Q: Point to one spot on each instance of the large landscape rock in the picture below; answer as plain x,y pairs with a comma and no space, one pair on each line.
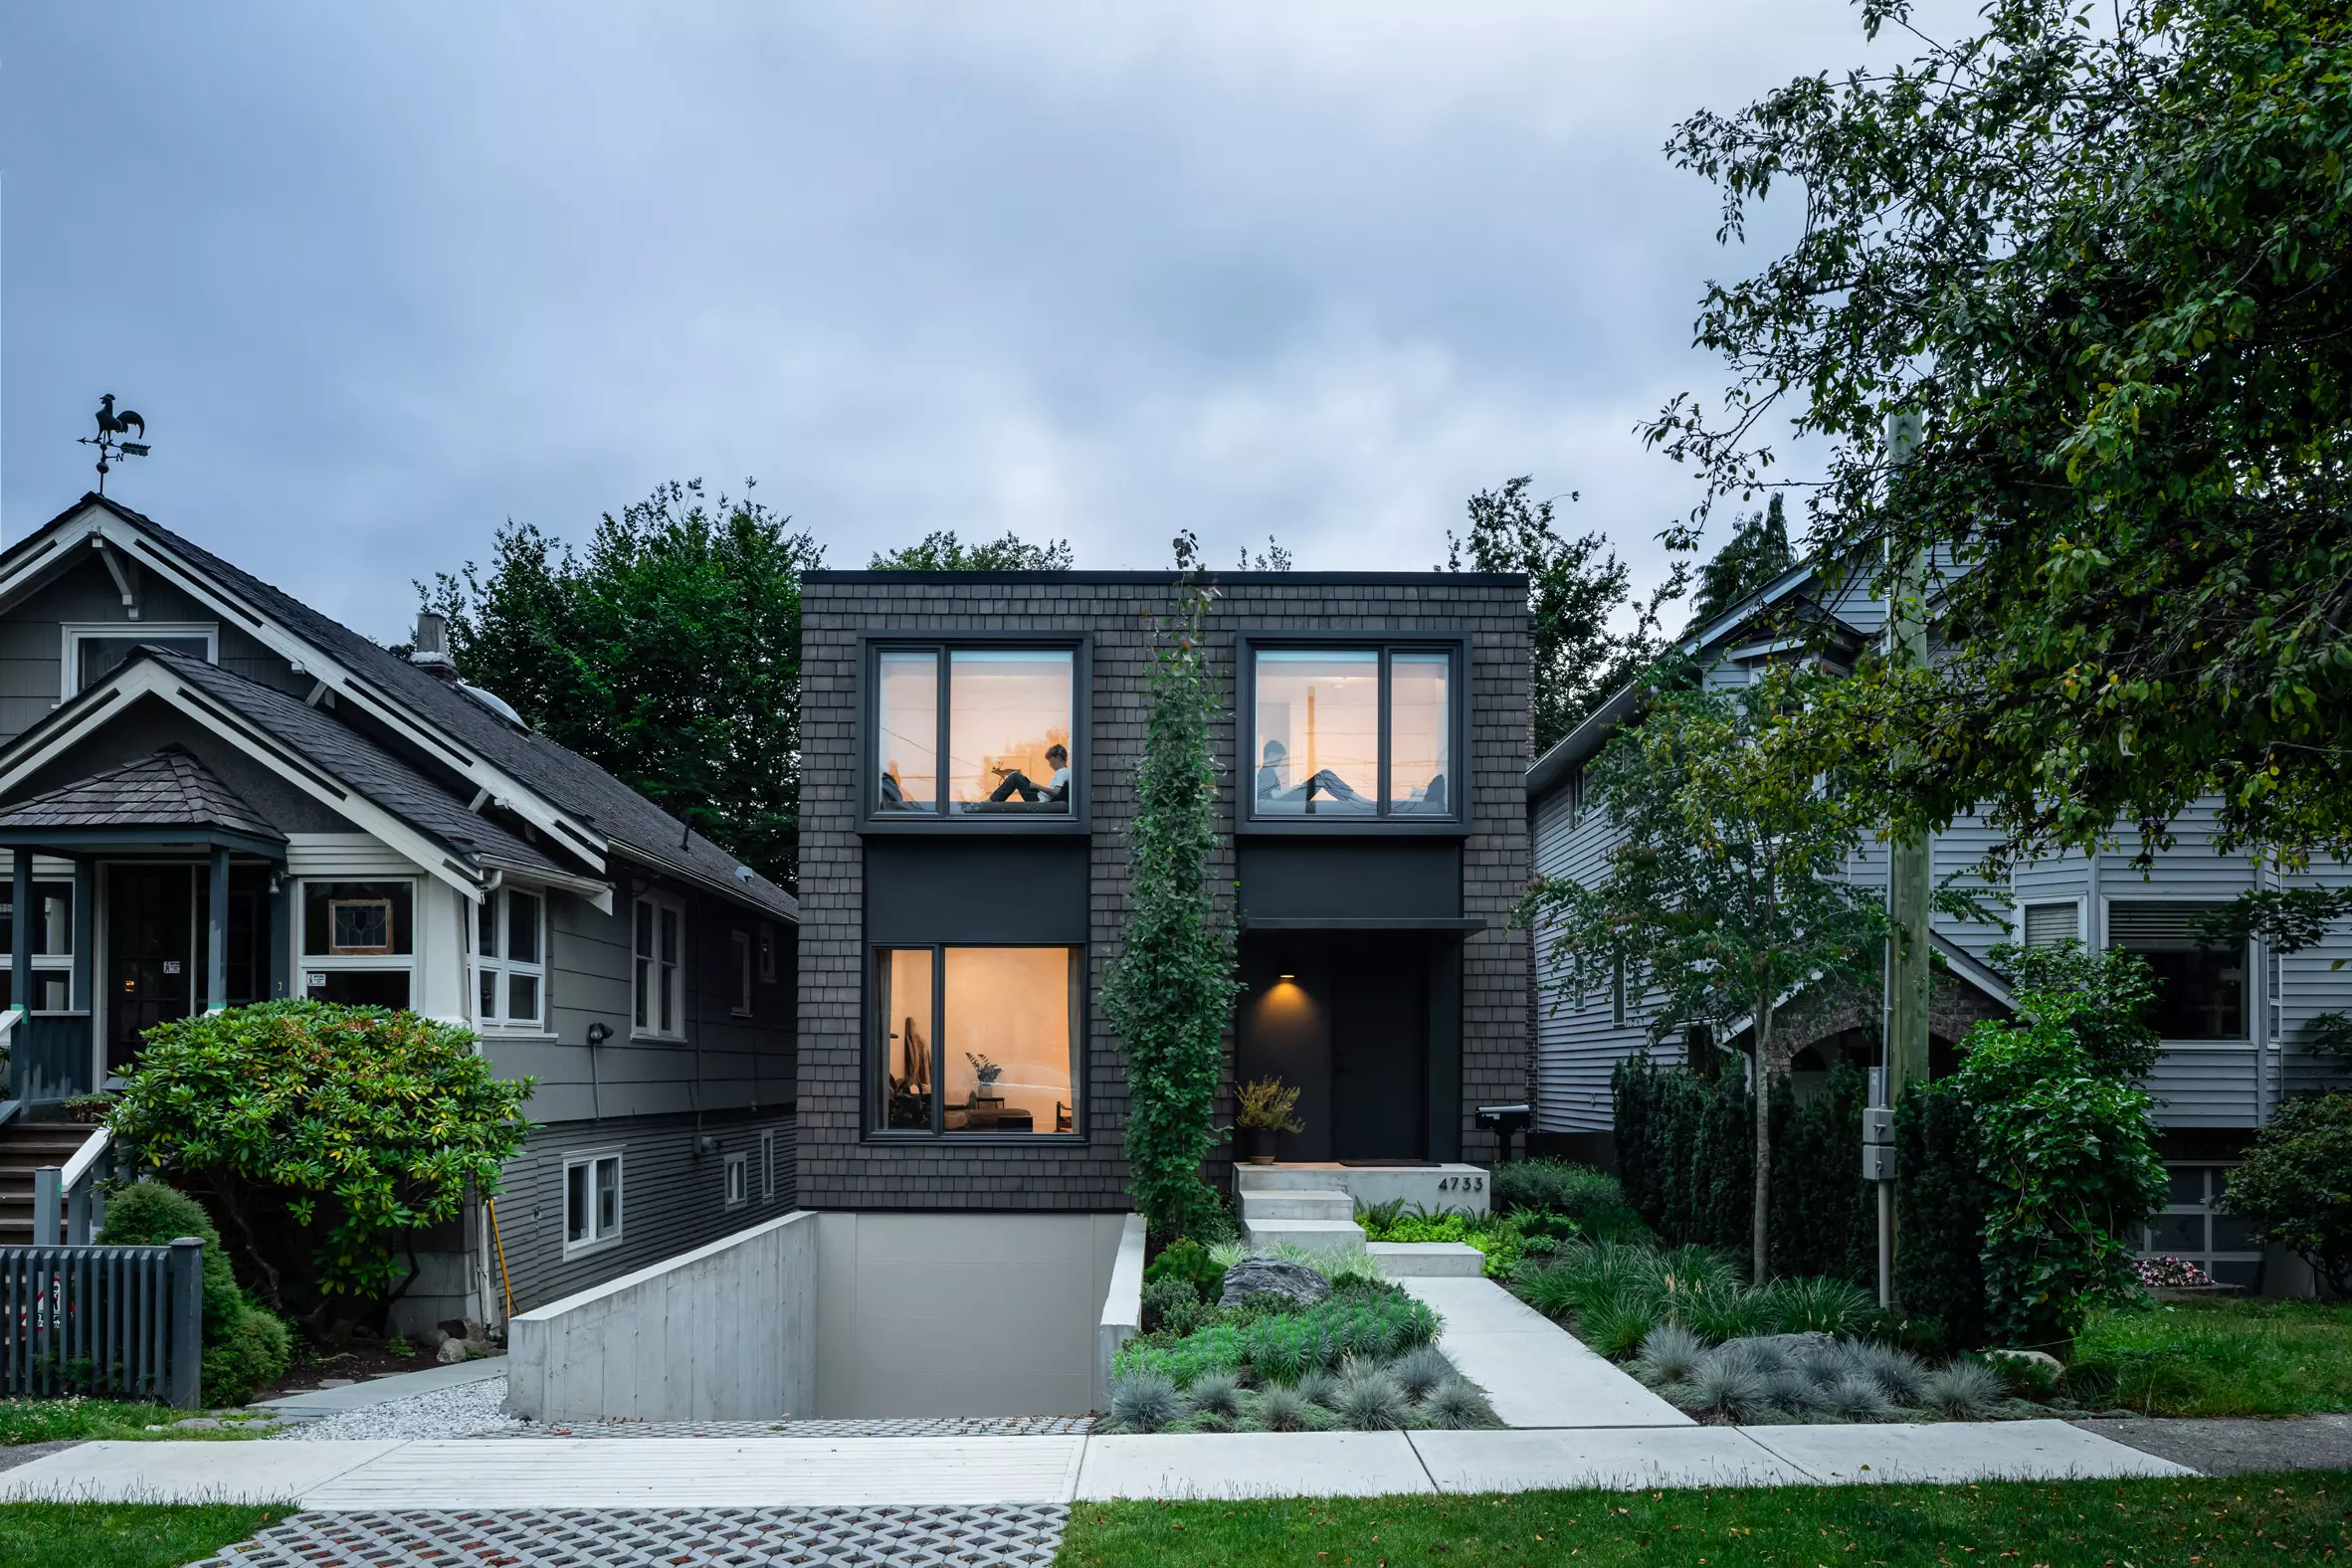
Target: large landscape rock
1272,1276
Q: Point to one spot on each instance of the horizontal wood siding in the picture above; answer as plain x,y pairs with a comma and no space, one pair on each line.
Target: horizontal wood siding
1578,1044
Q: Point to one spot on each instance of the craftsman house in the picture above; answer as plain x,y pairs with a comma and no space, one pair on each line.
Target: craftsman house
2233,1022
211,794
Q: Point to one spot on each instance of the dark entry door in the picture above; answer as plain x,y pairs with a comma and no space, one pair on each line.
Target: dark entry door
150,953
1379,1048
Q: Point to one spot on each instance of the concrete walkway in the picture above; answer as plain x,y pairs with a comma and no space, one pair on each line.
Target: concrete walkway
315,1402
1536,1373
710,1472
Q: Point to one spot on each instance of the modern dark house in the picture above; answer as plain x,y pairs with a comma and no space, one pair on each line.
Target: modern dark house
970,742
211,794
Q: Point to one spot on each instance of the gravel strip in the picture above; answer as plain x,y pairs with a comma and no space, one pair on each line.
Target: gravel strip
470,1410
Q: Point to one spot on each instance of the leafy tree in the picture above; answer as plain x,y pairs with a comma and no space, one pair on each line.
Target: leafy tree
245,1347
1273,558
1169,992
1757,553
1576,589
2103,999
2295,1185
2105,264
668,651
1726,893
358,1126
943,552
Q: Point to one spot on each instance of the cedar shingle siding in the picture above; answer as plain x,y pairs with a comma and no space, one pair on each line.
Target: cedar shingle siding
838,1172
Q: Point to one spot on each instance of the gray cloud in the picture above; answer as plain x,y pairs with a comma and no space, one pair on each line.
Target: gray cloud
382,281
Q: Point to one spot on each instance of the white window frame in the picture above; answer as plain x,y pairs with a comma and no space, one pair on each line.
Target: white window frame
51,963
738,1178
308,964
2206,1257
2253,947
740,941
598,1239
2078,903
767,1165
75,633
492,916
672,1028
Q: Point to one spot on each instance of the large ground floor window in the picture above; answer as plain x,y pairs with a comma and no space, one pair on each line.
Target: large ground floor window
2190,1227
975,1039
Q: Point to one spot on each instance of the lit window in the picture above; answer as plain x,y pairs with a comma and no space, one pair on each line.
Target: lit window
1353,733
1008,731
976,1039
358,942
591,1201
741,941
2201,991
660,947
510,958
739,1181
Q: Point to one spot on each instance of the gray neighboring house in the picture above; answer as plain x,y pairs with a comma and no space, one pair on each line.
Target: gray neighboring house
970,746
2232,1021
211,794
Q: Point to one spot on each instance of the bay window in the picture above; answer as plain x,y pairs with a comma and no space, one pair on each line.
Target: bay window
973,1039
2200,989
510,959
1353,733
974,732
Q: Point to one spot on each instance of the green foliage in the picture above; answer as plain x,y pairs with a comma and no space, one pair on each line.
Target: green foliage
1940,1193
1576,589
1757,553
1502,1238
2258,1356
2103,999
1727,889
2105,265
1286,1347
1168,994
1561,1187
75,1419
2294,1185
246,1348
668,651
363,1125
2070,1174
1187,1261
1825,1217
124,1534
945,552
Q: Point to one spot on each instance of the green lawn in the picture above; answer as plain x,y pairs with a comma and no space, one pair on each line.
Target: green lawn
85,1420
2072,1525
121,1534
2224,1358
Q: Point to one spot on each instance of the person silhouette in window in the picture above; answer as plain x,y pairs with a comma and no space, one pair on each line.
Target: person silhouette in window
894,798
1054,791
1323,782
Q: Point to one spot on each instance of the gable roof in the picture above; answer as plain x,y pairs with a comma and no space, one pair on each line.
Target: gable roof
169,789
580,791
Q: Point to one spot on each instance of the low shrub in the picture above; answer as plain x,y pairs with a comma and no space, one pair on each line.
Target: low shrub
1189,1262
2291,1185
1498,1236
1577,1192
246,1348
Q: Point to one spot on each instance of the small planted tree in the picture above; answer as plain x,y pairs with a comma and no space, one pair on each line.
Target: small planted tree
358,1126
2295,1185
1725,895
1169,992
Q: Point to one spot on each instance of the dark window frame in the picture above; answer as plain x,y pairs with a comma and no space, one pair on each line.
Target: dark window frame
1455,824
936,1136
1078,645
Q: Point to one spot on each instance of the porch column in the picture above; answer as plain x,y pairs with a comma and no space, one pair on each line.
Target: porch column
20,933
84,932
281,947
216,978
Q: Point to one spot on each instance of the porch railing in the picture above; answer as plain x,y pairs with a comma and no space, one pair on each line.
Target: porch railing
126,1322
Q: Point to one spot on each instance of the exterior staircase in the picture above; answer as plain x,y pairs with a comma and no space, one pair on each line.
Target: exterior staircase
1317,1219
25,1146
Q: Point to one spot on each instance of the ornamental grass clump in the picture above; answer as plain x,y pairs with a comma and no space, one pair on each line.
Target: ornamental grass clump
1215,1394
1668,1355
1144,1402
1964,1390
1458,1405
1368,1399
1418,1371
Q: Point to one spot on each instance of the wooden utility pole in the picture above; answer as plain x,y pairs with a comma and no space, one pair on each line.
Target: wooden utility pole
1908,872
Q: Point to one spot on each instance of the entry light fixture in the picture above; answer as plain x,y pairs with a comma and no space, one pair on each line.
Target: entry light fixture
1285,977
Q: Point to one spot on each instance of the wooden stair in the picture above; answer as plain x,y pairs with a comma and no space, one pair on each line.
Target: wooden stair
25,1146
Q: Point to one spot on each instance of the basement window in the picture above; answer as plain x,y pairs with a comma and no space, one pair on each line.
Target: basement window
591,1201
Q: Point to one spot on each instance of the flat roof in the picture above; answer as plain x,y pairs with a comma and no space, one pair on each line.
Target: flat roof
824,576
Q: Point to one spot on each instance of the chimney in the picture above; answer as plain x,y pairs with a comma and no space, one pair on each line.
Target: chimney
432,651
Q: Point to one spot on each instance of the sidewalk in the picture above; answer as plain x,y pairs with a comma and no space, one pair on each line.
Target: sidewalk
1536,1373
709,1472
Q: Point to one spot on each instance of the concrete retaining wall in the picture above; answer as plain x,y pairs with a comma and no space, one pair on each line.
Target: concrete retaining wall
725,1332
1122,1307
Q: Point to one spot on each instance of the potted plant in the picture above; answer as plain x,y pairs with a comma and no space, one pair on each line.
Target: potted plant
1267,1108
987,1071
88,1109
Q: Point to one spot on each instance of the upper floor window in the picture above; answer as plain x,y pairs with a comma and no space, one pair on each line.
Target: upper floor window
510,958
2201,991
94,651
1354,732
974,731
659,943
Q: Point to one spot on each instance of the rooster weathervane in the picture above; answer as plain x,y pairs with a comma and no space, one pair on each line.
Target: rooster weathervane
110,428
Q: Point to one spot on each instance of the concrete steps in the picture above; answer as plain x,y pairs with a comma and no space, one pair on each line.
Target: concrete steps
1319,1220
1428,1260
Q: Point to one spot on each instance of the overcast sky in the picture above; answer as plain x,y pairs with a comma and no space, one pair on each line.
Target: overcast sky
383,278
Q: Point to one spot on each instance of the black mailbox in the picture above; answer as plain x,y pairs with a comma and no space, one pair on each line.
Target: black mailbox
1508,1122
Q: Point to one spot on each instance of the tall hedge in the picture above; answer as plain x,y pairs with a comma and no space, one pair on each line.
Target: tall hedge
1940,1215
1688,1164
